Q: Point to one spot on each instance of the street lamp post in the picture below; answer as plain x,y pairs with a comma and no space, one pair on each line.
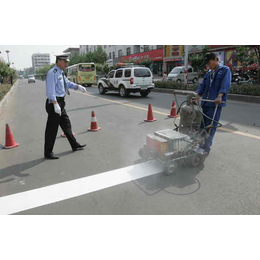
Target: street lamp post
8,56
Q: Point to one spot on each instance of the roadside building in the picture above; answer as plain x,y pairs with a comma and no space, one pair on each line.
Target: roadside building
40,60
72,51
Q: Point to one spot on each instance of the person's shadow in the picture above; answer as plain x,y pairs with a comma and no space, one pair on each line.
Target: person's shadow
17,170
182,182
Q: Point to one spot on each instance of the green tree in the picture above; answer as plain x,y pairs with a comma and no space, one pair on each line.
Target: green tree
5,70
98,56
196,60
44,70
75,59
243,56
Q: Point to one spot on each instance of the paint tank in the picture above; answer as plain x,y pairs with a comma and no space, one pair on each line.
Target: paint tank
190,120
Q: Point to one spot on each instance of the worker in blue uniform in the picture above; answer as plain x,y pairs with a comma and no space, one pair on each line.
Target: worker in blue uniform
57,86
214,86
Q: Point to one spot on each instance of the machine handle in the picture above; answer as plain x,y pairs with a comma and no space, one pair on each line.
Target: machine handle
212,101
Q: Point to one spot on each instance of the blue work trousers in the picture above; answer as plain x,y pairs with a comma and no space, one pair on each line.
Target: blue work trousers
209,111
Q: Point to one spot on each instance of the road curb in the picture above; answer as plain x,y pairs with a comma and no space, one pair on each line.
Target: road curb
235,97
4,101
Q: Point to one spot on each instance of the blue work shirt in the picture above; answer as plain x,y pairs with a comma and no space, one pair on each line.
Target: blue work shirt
220,84
55,84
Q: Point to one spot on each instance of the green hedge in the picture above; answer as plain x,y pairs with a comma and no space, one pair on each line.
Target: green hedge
243,89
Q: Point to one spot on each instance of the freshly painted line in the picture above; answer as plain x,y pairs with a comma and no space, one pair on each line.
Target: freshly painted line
66,190
161,113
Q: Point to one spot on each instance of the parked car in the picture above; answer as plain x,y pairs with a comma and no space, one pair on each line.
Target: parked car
178,74
135,79
31,79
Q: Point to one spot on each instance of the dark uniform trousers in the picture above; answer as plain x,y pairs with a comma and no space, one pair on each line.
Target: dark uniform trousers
53,123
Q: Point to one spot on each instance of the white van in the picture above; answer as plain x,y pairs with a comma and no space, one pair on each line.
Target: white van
178,74
127,80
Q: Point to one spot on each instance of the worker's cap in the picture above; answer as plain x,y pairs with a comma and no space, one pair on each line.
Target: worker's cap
63,56
208,57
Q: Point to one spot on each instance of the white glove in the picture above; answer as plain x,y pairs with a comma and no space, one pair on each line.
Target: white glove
57,109
82,88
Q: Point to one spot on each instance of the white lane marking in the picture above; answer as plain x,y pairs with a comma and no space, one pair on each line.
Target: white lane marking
66,190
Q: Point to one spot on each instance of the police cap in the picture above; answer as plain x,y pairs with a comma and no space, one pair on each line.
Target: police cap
63,56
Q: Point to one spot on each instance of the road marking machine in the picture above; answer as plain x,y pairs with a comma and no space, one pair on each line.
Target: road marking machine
181,146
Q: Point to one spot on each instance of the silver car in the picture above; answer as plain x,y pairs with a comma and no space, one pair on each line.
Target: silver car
31,79
178,73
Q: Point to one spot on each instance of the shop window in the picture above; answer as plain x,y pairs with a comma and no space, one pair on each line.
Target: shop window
137,49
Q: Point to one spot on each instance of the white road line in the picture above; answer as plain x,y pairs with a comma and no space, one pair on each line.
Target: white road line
43,196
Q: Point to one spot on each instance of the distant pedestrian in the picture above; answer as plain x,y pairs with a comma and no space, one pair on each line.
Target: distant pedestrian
164,76
57,86
1,80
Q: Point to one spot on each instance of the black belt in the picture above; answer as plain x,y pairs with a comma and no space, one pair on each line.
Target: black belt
60,98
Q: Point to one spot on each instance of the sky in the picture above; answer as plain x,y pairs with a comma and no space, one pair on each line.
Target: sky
21,55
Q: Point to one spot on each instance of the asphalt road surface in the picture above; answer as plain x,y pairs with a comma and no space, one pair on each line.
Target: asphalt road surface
108,177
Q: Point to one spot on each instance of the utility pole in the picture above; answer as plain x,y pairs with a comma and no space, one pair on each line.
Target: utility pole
186,53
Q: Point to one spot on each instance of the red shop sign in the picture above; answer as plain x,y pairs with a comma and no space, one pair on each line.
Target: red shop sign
155,55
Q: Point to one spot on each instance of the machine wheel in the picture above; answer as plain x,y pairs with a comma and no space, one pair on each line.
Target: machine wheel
144,94
195,80
143,154
170,167
178,81
123,92
197,159
101,89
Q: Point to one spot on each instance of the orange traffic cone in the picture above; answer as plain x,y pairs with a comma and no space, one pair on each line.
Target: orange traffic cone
9,139
63,135
150,117
93,125
173,111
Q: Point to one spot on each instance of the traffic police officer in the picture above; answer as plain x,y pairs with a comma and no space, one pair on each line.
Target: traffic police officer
214,86
57,86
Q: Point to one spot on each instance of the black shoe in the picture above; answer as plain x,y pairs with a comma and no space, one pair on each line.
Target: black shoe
78,147
52,156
